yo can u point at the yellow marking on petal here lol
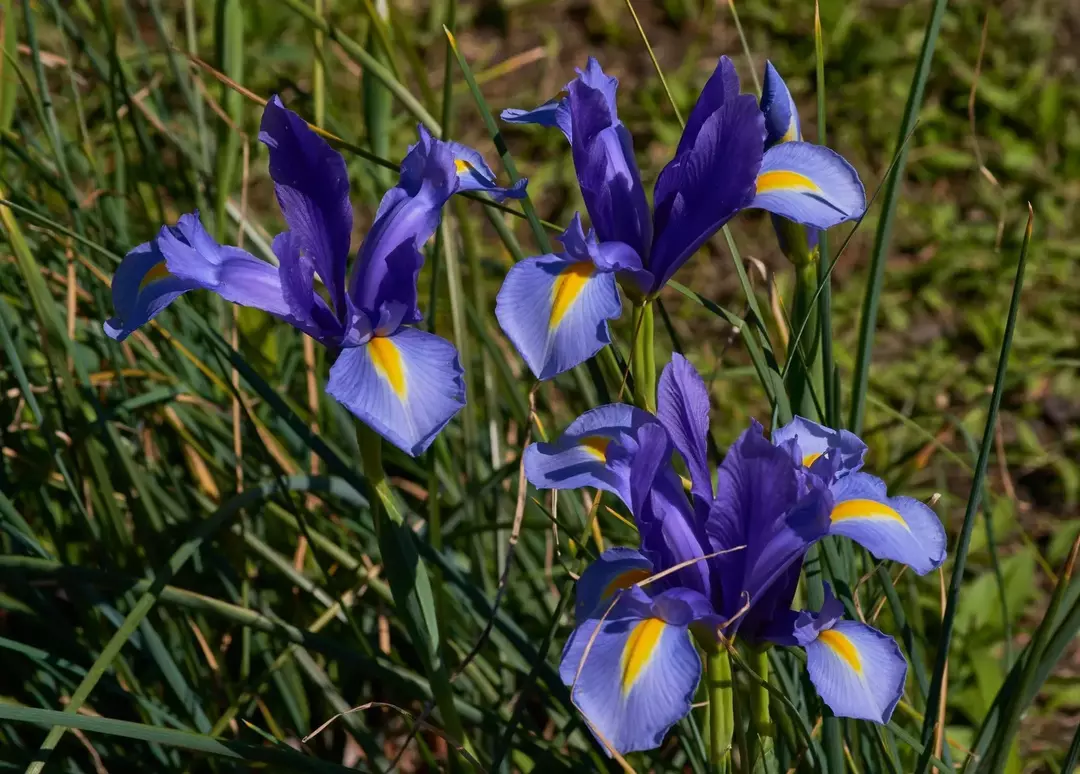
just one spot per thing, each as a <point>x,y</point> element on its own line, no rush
<point>568,286</point>
<point>841,645</point>
<point>387,359</point>
<point>792,132</point>
<point>460,165</point>
<point>865,509</point>
<point>785,180</point>
<point>639,649</point>
<point>625,580</point>
<point>596,445</point>
<point>157,272</point>
<point>810,459</point>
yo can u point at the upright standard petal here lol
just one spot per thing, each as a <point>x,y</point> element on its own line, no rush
<point>822,450</point>
<point>391,257</point>
<point>603,155</point>
<point>707,182</point>
<point>858,671</point>
<point>721,88</point>
<point>634,675</point>
<point>555,311</point>
<point>781,115</point>
<point>554,112</point>
<point>406,386</point>
<point>762,504</point>
<point>809,184</point>
<point>580,456</point>
<point>312,186</point>
<point>615,569</point>
<point>683,409</point>
<point>141,288</point>
<point>898,528</point>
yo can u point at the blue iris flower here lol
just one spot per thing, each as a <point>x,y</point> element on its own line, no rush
<point>555,308</point>
<point>401,381</point>
<point>738,543</point>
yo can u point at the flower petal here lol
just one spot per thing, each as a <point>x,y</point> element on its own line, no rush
<point>809,184</point>
<point>721,88</point>
<point>824,451</point>
<point>703,187</point>
<point>554,112</point>
<point>312,186</point>
<point>858,671</point>
<point>781,115</point>
<point>141,288</point>
<point>604,159</point>
<point>898,528</point>
<point>683,409</point>
<point>634,679</point>
<point>555,311</point>
<point>579,457</point>
<point>307,308</point>
<point>615,569</point>
<point>391,257</point>
<point>475,175</point>
<point>406,386</point>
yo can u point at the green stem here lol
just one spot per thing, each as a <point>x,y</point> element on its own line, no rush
<point>805,375</point>
<point>721,709</point>
<point>643,357</point>
<point>760,718</point>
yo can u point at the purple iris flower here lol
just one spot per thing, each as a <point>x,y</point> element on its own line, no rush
<point>739,540</point>
<point>401,381</point>
<point>555,308</point>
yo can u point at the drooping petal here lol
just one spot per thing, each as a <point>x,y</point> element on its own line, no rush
<point>670,534</point>
<point>721,88</point>
<point>898,528</point>
<point>141,288</point>
<point>615,569</point>
<point>858,671</point>
<point>603,155</point>
<point>391,257</point>
<point>781,115</point>
<point>632,676</point>
<point>579,457</point>
<point>475,175</point>
<point>555,311</point>
<point>312,186</point>
<point>761,503</point>
<point>406,386</point>
<point>703,187</point>
<point>682,404</point>
<point>809,184</point>
<point>824,451</point>
<point>554,112</point>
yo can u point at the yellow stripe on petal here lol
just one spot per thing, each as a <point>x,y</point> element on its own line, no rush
<point>596,445</point>
<point>639,649</point>
<point>460,166</point>
<point>785,180</point>
<point>625,580</point>
<point>842,646</point>
<point>388,364</point>
<point>810,459</point>
<point>865,509</point>
<point>568,286</point>
<point>792,132</point>
<point>157,272</point>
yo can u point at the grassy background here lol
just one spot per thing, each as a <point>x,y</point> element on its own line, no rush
<point>114,456</point>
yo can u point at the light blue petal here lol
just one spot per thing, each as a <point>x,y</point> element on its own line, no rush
<point>809,184</point>
<point>634,680</point>
<point>898,528</point>
<point>826,452</point>
<point>781,115</point>
<point>406,386</point>
<point>579,458</point>
<point>858,671</point>
<point>475,175</point>
<point>615,569</point>
<point>555,311</point>
<point>141,288</point>
<point>554,112</point>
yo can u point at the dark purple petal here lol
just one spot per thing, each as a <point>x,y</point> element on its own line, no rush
<point>296,271</point>
<point>721,88</point>
<point>312,186</point>
<point>683,409</point>
<point>704,186</point>
<point>604,159</point>
<point>781,115</point>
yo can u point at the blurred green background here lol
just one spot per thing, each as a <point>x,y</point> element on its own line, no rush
<point>110,130</point>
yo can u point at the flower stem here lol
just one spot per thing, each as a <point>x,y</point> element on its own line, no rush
<point>643,357</point>
<point>721,709</point>
<point>760,719</point>
<point>410,584</point>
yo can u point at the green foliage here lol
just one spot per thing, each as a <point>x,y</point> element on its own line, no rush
<point>183,592</point>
